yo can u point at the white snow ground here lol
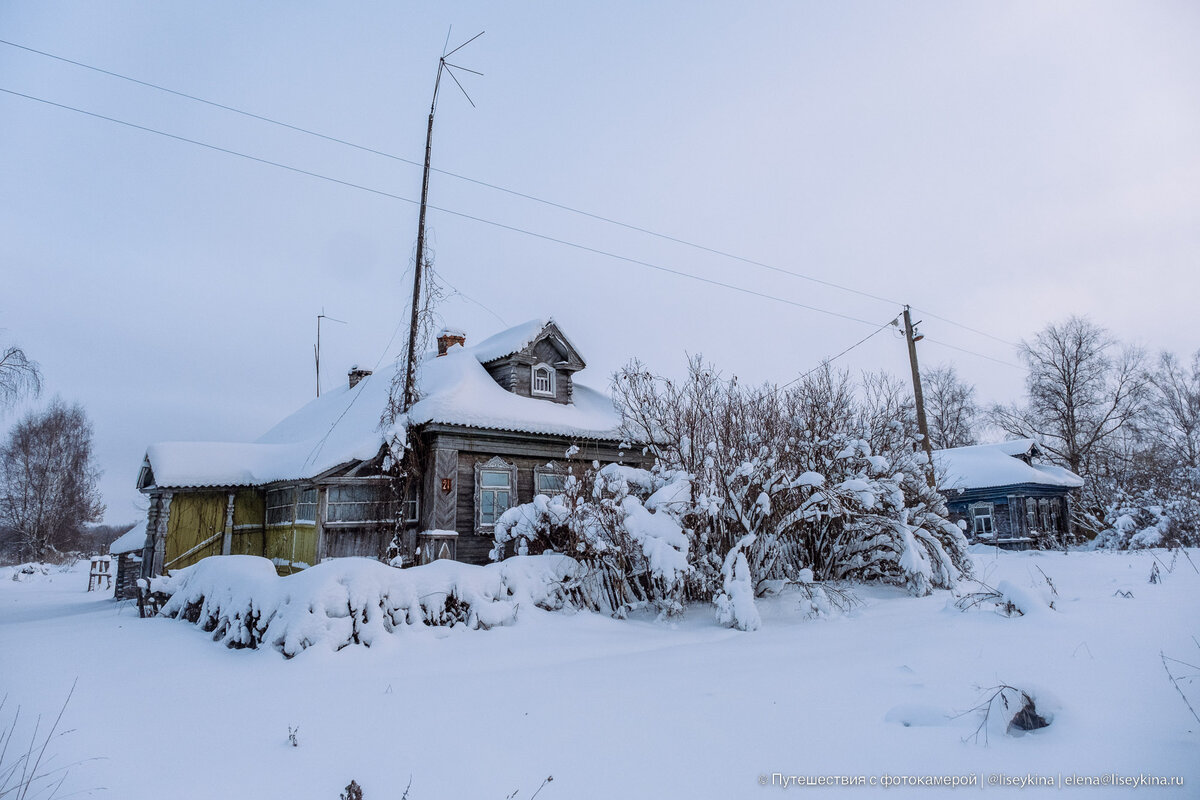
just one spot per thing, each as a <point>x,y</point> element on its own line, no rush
<point>623,708</point>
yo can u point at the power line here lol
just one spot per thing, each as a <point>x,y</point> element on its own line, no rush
<point>827,361</point>
<point>460,214</point>
<point>496,187</point>
<point>973,353</point>
<point>965,327</point>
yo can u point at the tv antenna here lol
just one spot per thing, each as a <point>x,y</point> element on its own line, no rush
<point>317,346</point>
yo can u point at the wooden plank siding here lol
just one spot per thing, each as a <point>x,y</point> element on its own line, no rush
<point>292,547</point>
<point>249,517</point>
<point>366,541</point>
<point>194,518</point>
<point>526,452</point>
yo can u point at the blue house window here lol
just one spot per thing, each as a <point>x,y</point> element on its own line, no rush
<point>983,523</point>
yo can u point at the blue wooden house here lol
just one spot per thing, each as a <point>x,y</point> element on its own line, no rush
<point>1004,495</point>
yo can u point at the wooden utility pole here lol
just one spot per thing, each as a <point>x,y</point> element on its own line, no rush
<point>414,326</point>
<point>918,396</point>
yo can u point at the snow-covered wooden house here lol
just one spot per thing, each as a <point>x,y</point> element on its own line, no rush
<point>492,428</point>
<point>1004,494</point>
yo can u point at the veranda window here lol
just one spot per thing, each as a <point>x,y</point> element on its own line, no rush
<point>306,509</point>
<point>359,503</point>
<point>281,504</point>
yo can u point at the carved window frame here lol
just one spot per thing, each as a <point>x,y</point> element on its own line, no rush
<point>979,513</point>
<point>549,468</point>
<point>550,374</point>
<point>495,464</point>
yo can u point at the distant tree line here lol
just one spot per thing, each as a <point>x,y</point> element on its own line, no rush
<point>48,477</point>
<point>1128,423</point>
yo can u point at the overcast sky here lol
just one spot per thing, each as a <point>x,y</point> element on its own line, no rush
<point>1001,165</point>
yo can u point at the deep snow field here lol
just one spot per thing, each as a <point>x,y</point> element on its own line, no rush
<point>624,709</point>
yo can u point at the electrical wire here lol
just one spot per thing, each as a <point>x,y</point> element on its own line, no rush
<point>449,211</point>
<point>496,187</point>
<point>827,361</point>
<point>973,353</point>
<point>965,327</point>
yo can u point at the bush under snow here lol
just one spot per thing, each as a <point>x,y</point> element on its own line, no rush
<point>244,603</point>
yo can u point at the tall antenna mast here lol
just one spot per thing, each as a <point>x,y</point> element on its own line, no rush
<point>317,347</point>
<point>414,325</point>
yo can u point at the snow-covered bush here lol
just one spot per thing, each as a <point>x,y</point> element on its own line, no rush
<point>735,603</point>
<point>1164,513</point>
<point>822,480</point>
<point>632,550</point>
<point>344,601</point>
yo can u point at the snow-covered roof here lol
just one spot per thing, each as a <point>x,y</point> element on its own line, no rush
<point>133,539</point>
<point>343,425</point>
<point>1018,447</point>
<point>987,466</point>
<point>515,339</point>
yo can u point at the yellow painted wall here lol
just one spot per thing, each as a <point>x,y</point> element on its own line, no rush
<point>249,509</point>
<point>291,547</point>
<point>194,517</point>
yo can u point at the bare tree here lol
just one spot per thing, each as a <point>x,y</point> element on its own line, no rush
<point>1083,388</point>
<point>950,408</point>
<point>886,414</point>
<point>19,376</point>
<point>1174,418</point>
<point>48,481</point>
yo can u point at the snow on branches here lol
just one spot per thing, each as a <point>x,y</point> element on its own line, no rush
<point>813,480</point>
<point>617,522</point>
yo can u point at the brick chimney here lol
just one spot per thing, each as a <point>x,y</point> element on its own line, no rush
<point>356,374</point>
<point>448,337</point>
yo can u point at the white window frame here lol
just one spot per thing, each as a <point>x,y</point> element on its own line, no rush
<point>979,513</point>
<point>496,465</point>
<point>533,380</point>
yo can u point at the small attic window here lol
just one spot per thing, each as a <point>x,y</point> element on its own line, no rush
<point>543,380</point>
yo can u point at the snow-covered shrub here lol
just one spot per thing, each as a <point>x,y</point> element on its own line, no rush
<point>244,603</point>
<point>29,571</point>
<point>631,554</point>
<point>823,481</point>
<point>735,603</point>
<point>1165,513</point>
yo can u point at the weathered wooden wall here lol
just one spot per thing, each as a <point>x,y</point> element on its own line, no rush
<point>129,569</point>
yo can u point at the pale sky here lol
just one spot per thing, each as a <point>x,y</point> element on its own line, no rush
<point>1001,165</point>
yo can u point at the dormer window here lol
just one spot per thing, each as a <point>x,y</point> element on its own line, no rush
<point>543,380</point>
